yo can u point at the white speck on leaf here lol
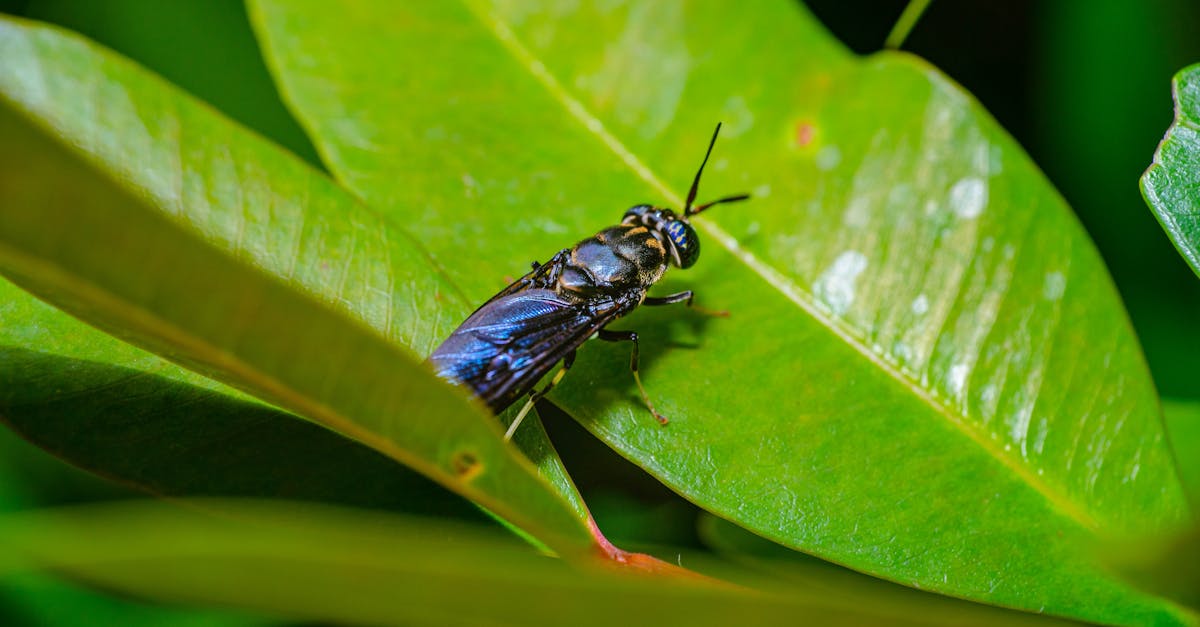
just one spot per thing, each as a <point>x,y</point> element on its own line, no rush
<point>968,197</point>
<point>835,286</point>
<point>1054,286</point>
<point>988,395</point>
<point>956,379</point>
<point>920,305</point>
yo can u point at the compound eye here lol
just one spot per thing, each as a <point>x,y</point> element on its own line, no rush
<point>634,214</point>
<point>684,240</point>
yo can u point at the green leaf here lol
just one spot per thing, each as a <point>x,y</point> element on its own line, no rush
<point>927,374</point>
<point>175,439</point>
<point>1183,426</point>
<point>138,209</point>
<point>804,572</point>
<point>39,599</point>
<point>1172,183</point>
<point>374,569</point>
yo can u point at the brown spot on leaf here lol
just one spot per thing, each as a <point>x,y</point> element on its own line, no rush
<point>466,465</point>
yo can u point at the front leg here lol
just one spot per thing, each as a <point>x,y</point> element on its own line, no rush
<point>670,299</point>
<point>682,297</point>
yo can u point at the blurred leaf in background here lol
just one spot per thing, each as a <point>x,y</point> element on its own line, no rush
<point>1102,101</point>
<point>204,46</point>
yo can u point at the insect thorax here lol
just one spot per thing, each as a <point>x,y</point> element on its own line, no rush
<point>618,258</point>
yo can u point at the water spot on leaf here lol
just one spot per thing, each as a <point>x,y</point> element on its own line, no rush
<point>920,305</point>
<point>988,395</point>
<point>968,197</point>
<point>835,286</point>
<point>1054,286</point>
<point>1019,427</point>
<point>956,379</point>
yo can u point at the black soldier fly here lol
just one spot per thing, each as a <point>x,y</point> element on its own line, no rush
<point>503,349</point>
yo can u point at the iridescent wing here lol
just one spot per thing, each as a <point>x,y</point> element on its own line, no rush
<point>510,343</point>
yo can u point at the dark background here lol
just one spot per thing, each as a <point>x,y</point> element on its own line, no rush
<point>1084,86</point>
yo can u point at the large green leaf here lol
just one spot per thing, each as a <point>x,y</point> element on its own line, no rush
<point>140,210</point>
<point>927,374</point>
<point>1172,184</point>
<point>371,569</point>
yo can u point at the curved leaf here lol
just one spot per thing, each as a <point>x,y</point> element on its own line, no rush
<point>927,374</point>
<point>226,254</point>
<point>176,439</point>
<point>1172,184</point>
<point>376,570</point>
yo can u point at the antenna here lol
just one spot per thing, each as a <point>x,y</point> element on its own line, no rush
<point>691,197</point>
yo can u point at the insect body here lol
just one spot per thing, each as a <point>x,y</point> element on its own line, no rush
<point>503,349</point>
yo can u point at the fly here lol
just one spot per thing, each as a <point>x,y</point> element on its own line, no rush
<point>514,339</point>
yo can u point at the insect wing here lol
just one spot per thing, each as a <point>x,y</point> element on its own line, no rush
<point>507,345</point>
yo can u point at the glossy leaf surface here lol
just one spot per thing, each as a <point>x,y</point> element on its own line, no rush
<point>1172,184</point>
<point>224,253</point>
<point>927,374</point>
<point>372,569</point>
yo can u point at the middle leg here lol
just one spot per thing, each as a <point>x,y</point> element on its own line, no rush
<point>631,336</point>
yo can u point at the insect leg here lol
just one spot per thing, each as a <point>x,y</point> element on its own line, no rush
<point>682,297</point>
<point>670,299</point>
<point>631,336</point>
<point>534,397</point>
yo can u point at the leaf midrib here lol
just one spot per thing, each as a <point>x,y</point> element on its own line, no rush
<point>788,288</point>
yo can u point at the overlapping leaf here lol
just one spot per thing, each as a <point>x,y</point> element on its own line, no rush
<point>142,211</point>
<point>927,374</point>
